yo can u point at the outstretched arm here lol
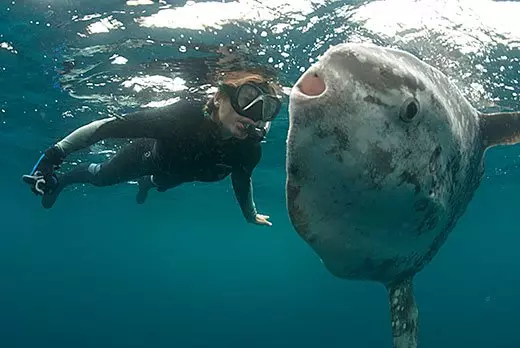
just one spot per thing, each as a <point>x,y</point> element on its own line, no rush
<point>243,188</point>
<point>152,123</point>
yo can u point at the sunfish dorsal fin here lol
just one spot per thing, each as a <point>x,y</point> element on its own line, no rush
<point>501,128</point>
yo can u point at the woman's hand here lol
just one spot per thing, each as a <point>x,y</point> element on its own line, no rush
<point>262,220</point>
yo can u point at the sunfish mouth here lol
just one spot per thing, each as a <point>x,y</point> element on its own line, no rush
<point>310,85</point>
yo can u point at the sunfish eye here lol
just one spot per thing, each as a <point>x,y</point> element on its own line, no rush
<point>409,110</point>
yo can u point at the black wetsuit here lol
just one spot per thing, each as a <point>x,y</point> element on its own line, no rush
<point>175,144</point>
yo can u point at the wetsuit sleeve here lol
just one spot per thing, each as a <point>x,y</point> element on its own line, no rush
<point>152,123</point>
<point>243,186</point>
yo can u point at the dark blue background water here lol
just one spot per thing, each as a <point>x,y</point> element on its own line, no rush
<point>184,269</point>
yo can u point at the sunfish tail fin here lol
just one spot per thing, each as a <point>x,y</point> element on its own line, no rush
<point>404,314</point>
<point>502,128</point>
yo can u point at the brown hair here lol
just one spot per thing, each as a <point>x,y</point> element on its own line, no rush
<point>238,78</point>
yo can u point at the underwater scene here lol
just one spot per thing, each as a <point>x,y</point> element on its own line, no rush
<point>259,173</point>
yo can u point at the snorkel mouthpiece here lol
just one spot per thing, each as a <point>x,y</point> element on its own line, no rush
<point>255,133</point>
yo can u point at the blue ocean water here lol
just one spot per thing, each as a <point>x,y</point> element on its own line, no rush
<point>184,269</point>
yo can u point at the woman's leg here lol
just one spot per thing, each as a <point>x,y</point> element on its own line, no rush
<point>132,162</point>
<point>161,182</point>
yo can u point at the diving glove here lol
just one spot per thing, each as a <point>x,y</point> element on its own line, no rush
<point>42,178</point>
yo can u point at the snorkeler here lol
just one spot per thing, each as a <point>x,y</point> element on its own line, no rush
<point>190,140</point>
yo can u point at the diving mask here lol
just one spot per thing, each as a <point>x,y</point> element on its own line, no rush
<point>252,101</point>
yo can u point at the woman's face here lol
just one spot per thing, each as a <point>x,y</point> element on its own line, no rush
<point>234,125</point>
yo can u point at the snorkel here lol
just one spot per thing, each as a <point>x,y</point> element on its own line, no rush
<point>258,134</point>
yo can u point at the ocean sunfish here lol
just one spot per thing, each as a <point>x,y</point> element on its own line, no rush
<point>384,154</point>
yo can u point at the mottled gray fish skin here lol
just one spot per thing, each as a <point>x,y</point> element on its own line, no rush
<point>383,156</point>
<point>376,195</point>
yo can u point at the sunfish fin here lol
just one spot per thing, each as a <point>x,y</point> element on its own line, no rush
<point>404,314</point>
<point>502,128</point>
